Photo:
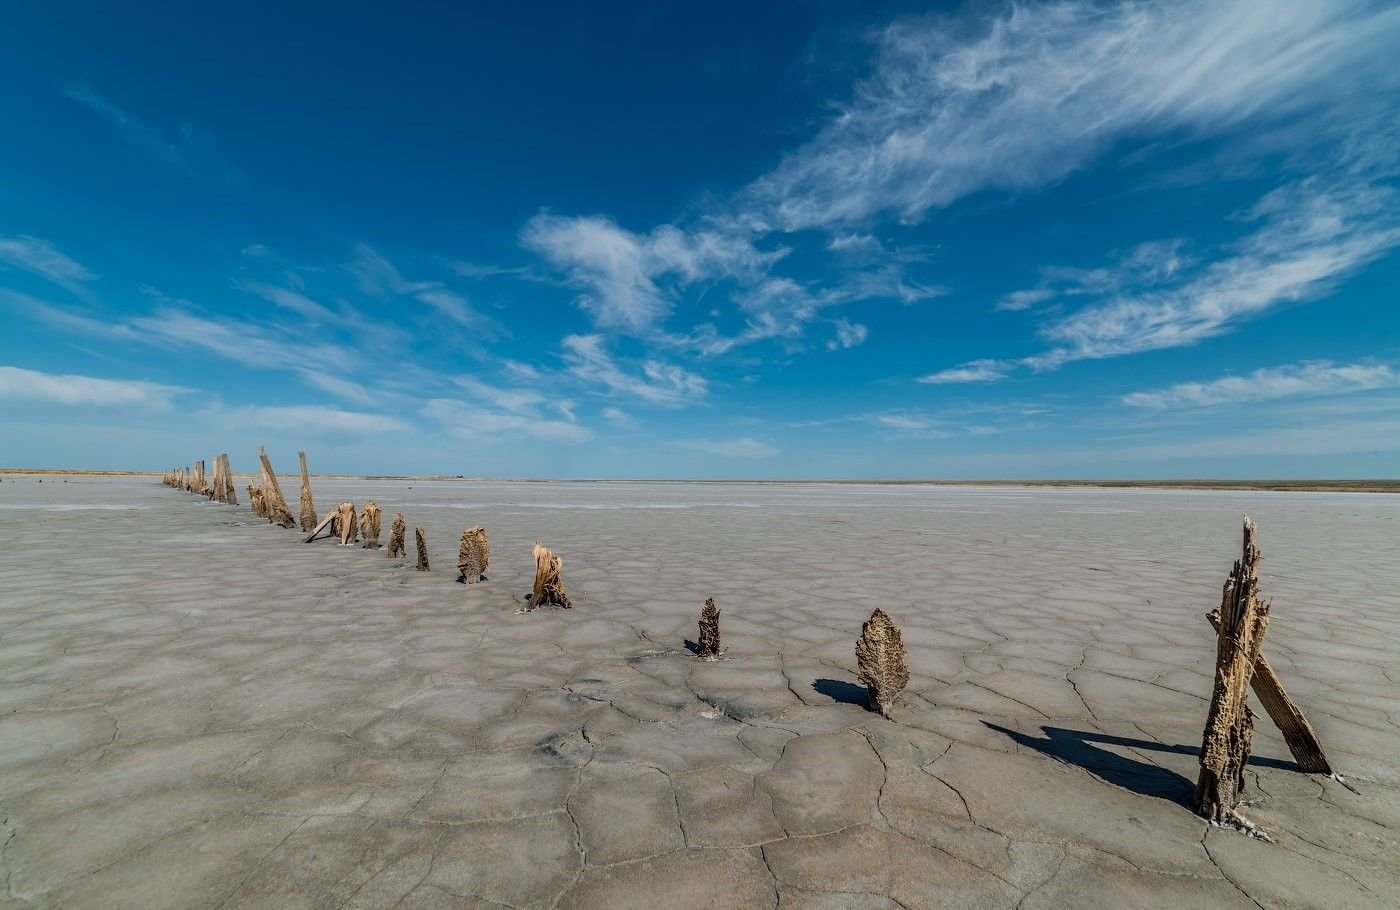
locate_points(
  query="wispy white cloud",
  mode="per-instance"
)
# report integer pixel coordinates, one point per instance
(848, 335)
(744, 447)
(474, 422)
(618, 418)
(627, 276)
(42, 258)
(1024, 300)
(1022, 99)
(291, 300)
(379, 277)
(1311, 237)
(184, 148)
(313, 419)
(657, 382)
(974, 371)
(19, 384)
(1310, 378)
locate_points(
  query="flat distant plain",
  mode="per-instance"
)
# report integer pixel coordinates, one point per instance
(201, 711)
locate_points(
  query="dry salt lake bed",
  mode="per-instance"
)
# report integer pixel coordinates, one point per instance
(197, 710)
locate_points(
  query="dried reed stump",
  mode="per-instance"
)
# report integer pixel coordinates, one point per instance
(422, 545)
(709, 631)
(1242, 620)
(308, 506)
(473, 554)
(880, 661)
(369, 524)
(549, 586)
(396, 535)
(345, 523)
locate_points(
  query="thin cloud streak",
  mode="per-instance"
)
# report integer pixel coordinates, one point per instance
(1311, 378)
(19, 384)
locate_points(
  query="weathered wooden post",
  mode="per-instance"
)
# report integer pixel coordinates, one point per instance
(1241, 621)
(473, 553)
(708, 646)
(369, 524)
(308, 507)
(396, 537)
(345, 523)
(274, 501)
(422, 544)
(880, 661)
(549, 585)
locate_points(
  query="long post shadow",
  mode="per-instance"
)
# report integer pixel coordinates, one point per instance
(1077, 748)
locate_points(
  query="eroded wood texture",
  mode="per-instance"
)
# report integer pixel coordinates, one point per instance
(473, 554)
(1241, 621)
(881, 661)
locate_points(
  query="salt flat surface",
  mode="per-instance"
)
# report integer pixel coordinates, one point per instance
(197, 710)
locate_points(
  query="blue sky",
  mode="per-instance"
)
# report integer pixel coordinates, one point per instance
(704, 240)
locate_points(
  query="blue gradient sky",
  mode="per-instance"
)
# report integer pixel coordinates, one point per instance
(711, 241)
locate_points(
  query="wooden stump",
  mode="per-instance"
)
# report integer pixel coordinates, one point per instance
(422, 545)
(396, 535)
(549, 585)
(345, 523)
(307, 505)
(369, 524)
(709, 631)
(473, 554)
(1241, 621)
(880, 661)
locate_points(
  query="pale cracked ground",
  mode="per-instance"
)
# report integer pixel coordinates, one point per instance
(200, 711)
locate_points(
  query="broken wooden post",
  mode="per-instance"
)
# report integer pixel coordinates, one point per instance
(230, 496)
(1241, 620)
(274, 501)
(709, 631)
(1288, 717)
(396, 534)
(549, 585)
(345, 523)
(880, 661)
(308, 507)
(327, 522)
(473, 553)
(422, 545)
(369, 524)
(256, 501)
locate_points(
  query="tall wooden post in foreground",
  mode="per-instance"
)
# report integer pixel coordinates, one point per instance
(1241, 622)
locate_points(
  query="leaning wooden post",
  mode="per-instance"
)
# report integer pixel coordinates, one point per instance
(1302, 739)
(396, 534)
(549, 585)
(880, 661)
(422, 545)
(308, 508)
(473, 553)
(231, 496)
(275, 502)
(1242, 621)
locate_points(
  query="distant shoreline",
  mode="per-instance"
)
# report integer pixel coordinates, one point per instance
(1277, 486)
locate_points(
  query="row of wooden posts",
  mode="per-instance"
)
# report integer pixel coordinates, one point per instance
(881, 658)
(267, 501)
